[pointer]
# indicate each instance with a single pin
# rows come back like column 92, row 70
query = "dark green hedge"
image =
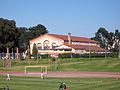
column 45, row 56
column 72, row 55
column 69, row 55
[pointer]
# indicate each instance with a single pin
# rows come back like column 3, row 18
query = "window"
column 68, row 50
column 46, row 44
column 39, row 46
column 54, row 45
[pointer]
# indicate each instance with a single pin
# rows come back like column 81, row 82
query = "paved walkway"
column 69, row 74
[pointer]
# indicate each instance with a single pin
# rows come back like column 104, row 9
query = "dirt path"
column 70, row 74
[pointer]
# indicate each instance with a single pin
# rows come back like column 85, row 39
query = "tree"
column 108, row 40
column 102, row 37
column 38, row 30
column 24, row 38
column 26, row 34
column 12, row 36
column 8, row 34
column 116, row 40
column 35, row 51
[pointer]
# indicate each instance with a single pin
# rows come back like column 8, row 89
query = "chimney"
column 69, row 38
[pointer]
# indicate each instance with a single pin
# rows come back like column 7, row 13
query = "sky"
column 78, row 17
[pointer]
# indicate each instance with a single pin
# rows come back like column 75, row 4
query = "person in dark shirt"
column 62, row 86
column 6, row 88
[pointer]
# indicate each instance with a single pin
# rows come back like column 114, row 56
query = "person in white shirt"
column 42, row 75
column 8, row 76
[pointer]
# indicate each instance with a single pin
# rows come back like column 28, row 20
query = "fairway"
column 35, row 83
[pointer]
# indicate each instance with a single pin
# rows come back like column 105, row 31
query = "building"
column 58, row 44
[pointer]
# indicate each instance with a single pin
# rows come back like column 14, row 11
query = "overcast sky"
column 79, row 17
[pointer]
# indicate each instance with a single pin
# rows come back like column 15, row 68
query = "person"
column 42, row 75
column 8, row 76
column 66, row 87
column 6, row 88
column 62, row 86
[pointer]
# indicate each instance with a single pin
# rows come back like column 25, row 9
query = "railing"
column 50, row 51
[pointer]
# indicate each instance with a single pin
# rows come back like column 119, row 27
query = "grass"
column 95, row 64
column 35, row 83
column 69, row 64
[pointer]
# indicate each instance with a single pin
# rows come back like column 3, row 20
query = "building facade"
column 57, row 44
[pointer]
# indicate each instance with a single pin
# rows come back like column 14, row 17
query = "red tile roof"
column 73, row 38
column 77, row 47
column 87, row 48
column 65, row 38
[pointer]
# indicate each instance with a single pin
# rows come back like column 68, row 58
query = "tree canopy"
column 8, row 34
column 29, row 33
column 38, row 30
column 12, row 36
column 108, row 40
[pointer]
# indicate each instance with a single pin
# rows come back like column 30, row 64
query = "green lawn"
column 35, row 83
column 70, row 64
column 94, row 64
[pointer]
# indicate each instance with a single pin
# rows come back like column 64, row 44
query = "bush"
column 45, row 56
column 95, row 55
column 53, row 59
column 65, row 55
column 113, row 54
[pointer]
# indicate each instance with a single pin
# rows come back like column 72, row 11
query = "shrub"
column 45, row 56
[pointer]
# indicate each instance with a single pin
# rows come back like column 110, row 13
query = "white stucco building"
column 57, row 44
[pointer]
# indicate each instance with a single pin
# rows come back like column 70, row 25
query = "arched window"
column 39, row 46
column 46, row 44
column 54, row 45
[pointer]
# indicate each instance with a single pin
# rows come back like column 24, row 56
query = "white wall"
column 44, row 38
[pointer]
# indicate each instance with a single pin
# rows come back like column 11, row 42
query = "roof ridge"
column 67, row 35
column 77, row 38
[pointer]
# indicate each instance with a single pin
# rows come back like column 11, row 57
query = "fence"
column 13, row 56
